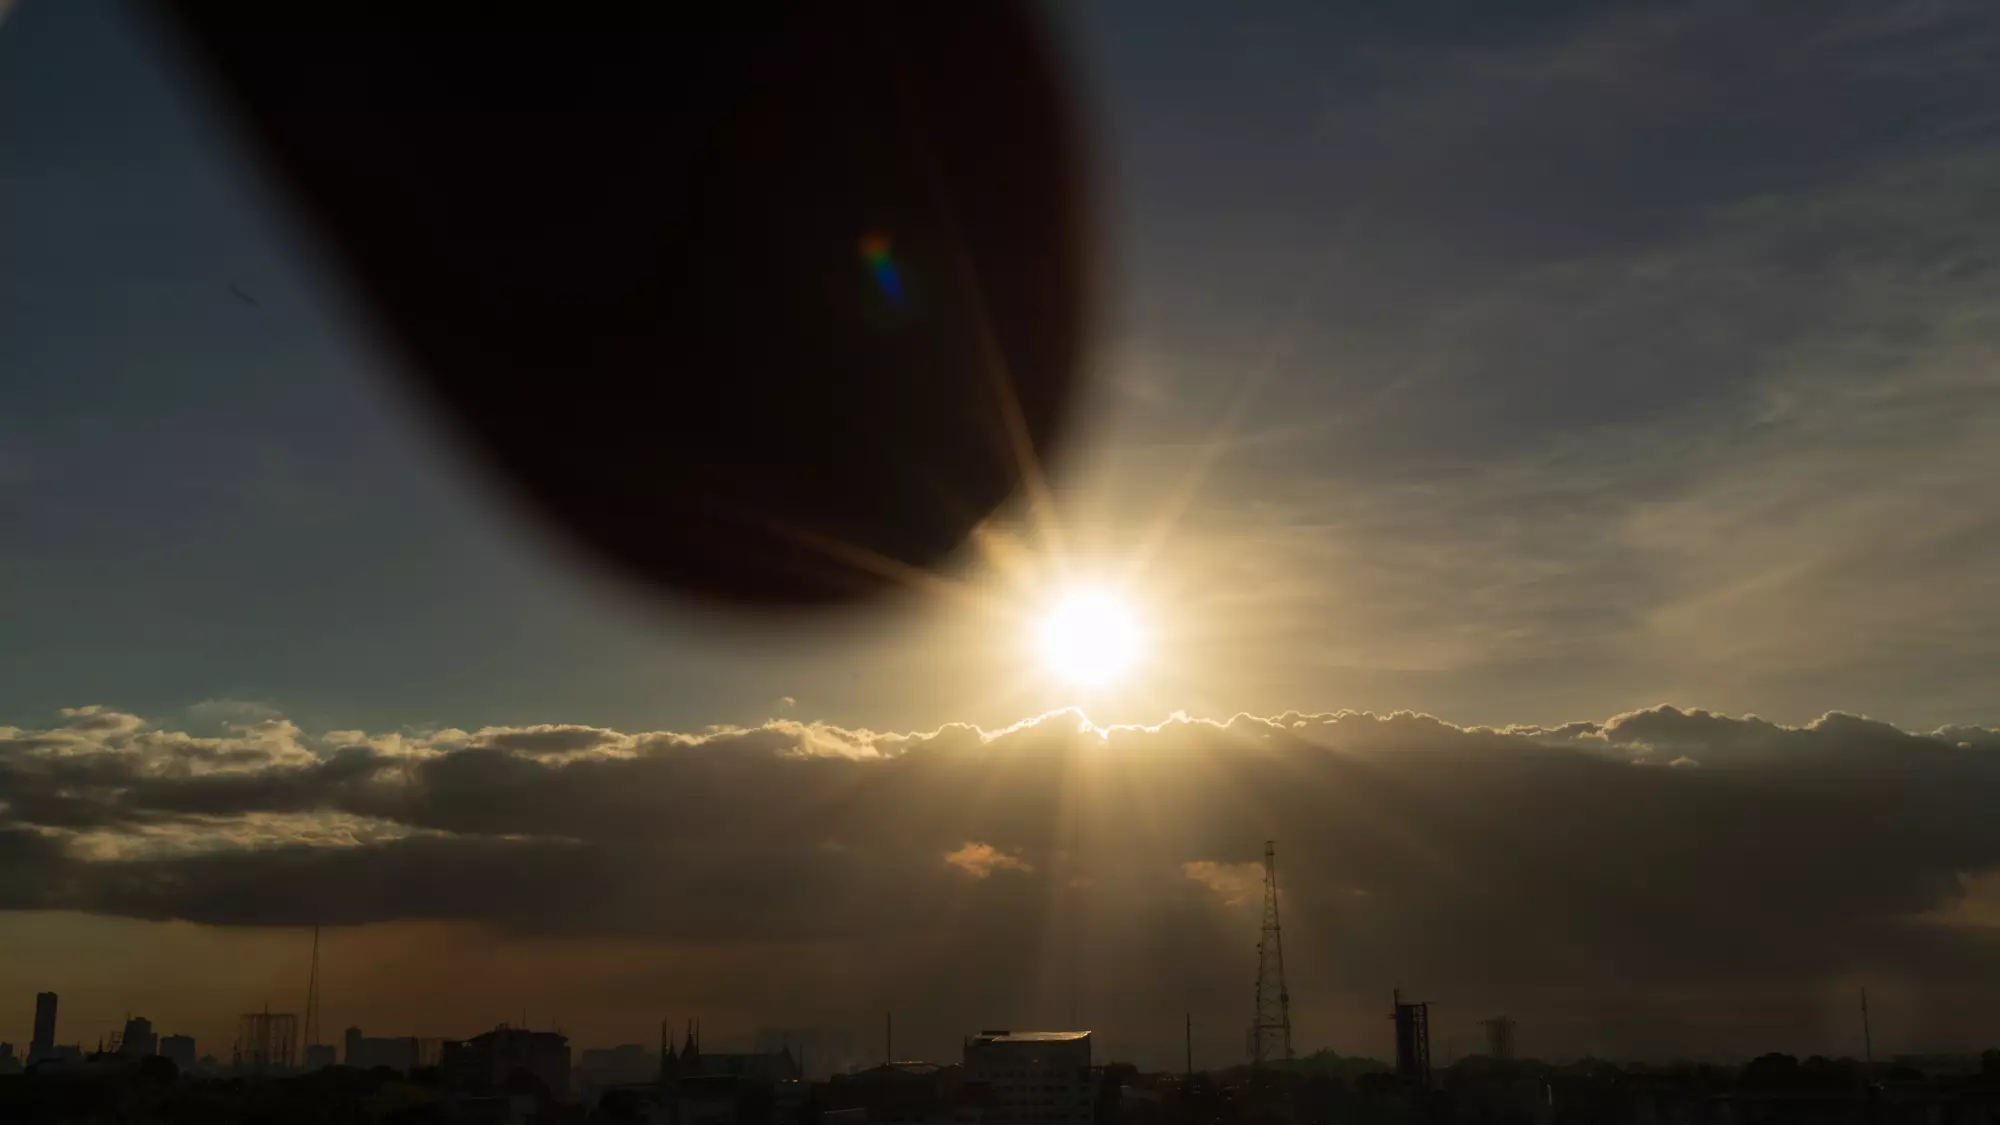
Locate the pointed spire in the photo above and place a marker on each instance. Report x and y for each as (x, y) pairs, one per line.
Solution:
(691, 1053)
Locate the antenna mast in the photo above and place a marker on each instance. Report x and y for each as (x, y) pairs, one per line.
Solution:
(1271, 1033)
(312, 995)
(1867, 1040)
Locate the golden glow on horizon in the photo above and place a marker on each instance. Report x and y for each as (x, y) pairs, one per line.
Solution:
(1090, 637)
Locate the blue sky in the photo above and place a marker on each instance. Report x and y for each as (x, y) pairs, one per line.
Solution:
(1556, 362)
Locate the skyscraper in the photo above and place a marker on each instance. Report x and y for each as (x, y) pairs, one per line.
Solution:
(44, 1042)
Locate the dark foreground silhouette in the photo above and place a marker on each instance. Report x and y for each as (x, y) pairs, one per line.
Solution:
(1320, 1089)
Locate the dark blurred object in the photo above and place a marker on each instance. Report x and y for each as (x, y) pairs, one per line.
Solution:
(762, 301)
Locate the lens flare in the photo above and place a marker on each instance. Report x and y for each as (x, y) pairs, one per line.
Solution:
(881, 265)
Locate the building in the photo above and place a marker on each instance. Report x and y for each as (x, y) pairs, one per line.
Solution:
(138, 1039)
(1033, 1077)
(319, 1056)
(489, 1061)
(906, 1093)
(366, 1052)
(694, 1087)
(1413, 1043)
(763, 1066)
(266, 1043)
(44, 1042)
(821, 1052)
(8, 1063)
(721, 1100)
(625, 1064)
(179, 1048)
(1499, 1038)
(61, 1057)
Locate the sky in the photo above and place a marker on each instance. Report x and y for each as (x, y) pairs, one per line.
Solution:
(1591, 378)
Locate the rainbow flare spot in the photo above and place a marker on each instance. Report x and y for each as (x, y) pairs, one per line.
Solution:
(875, 255)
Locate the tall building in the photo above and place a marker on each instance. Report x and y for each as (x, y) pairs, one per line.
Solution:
(1035, 1077)
(179, 1048)
(44, 1042)
(266, 1043)
(1413, 1043)
(138, 1039)
(1499, 1038)
(486, 1062)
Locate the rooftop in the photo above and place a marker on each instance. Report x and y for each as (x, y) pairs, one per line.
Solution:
(1031, 1036)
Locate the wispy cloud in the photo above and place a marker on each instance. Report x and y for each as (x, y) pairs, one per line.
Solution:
(1236, 883)
(981, 860)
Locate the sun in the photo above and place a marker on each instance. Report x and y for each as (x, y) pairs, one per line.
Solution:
(1090, 637)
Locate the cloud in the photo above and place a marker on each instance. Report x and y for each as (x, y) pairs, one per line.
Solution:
(547, 741)
(234, 710)
(96, 719)
(981, 860)
(1481, 863)
(1237, 883)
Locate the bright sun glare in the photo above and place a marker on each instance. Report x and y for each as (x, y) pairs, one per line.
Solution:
(1090, 637)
